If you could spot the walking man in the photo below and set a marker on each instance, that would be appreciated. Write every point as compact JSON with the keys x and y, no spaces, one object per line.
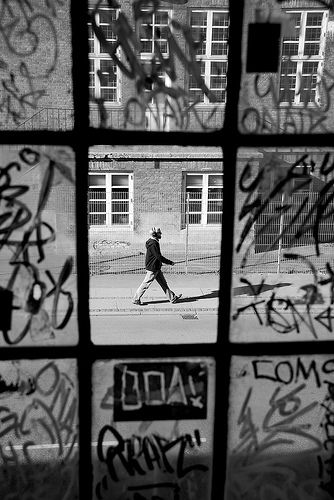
{"x":153,"y":262}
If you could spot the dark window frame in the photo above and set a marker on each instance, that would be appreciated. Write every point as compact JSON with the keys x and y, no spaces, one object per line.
{"x":230,"y":139}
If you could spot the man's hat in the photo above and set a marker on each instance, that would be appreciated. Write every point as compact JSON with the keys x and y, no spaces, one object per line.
{"x":155,"y":230}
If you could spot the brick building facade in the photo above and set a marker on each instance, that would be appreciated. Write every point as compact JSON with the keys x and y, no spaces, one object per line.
{"x":163,"y":66}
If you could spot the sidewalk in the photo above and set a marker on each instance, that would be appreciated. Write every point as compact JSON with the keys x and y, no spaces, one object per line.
{"x":112,"y":295}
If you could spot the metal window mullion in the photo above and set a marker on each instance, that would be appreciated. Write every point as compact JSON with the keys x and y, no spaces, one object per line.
{"x":205,"y":199}
{"x":131,"y":202}
{"x":108,"y":200}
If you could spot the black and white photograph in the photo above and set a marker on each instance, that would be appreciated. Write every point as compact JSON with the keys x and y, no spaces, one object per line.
{"x":166,"y":249}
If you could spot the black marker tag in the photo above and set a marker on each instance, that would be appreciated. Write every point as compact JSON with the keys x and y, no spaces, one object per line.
{"x":263,"y":47}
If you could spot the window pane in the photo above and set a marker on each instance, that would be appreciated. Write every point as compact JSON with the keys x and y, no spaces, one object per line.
{"x":215,"y":180}
{"x":151,"y":90}
{"x":38,"y":250}
{"x":194,"y":180}
{"x":39,"y":448}
{"x":220,"y":19}
{"x":164,"y":407}
{"x":311,"y":49}
{"x":97,"y":180}
{"x":314,"y":19}
{"x":97,"y":219}
{"x":215,"y":218}
{"x":36,"y":67}
{"x":159,"y":191}
{"x":279,"y":431}
{"x":120,"y":180}
{"x":283,"y":246}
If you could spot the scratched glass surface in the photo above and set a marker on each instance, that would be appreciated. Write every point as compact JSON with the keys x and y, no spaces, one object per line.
{"x":39,"y":426}
{"x":280,"y":437}
{"x":37,"y":246}
{"x":158,"y":65}
{"x":288,"y":90}
{"x":153,"y":428}
{"x":283,"y":270}
{"x":131,"y":190}
{"x":35,"y":65}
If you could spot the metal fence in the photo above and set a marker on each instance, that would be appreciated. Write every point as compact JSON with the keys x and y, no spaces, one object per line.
{"x":187,"y":237}
{"x":289,"y":224}
{"x":63,"y":119}
{"x":49,"y":119}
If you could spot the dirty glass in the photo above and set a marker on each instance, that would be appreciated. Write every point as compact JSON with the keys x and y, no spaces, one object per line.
{"x":39,"y":428}
{"x":280,"y":438}
{"x":153,"y":428}
{"x":37,"y":246}
{"x":157,"y":66}
{"x":130,"y":190}
{"x":283,"y":245}
{"x":288,"y":90}
{"x":35,"y":65}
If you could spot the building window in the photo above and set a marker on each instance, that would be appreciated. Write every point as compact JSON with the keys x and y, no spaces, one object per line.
{"x":153,"y":30}
{"x":153,"y":33}
{"x":104,"y":78}
{"x":110,"y":199}
{"x":204,"y":198}
{"x":210,"y":36}
{"x":303,"y":58}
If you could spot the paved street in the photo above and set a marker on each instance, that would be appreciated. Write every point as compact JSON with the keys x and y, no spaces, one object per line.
{"x":114,"y":319}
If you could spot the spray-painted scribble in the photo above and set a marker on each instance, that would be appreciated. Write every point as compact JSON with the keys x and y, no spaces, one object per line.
{"x":277,"y":119}
{"x":277,"y":441}
{"x":286,"y":213}
{"x":168,"y":104}
{"x":294,"y":98}
{"x":38,"y":430}
{"x":37,"y":300}
{"x":138,"y":458}
{"x":29,"y":56}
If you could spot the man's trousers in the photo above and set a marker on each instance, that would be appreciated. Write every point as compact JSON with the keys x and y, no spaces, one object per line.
{"x":147,"y":282}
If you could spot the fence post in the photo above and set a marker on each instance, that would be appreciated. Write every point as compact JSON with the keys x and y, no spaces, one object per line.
{"x":281,"y":229}
{"x":187,"y":232}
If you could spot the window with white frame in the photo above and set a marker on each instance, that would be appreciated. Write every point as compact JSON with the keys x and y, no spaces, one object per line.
{"x":204,"y":198}
{"x":110,"y":199}
{"x":152,"y":31}
{"x":303,"y":53}
{"x":210,"y":36}
{"x":103,"y":73}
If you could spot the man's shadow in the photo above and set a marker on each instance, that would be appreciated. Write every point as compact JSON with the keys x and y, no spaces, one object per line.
{"x":185,"y":300}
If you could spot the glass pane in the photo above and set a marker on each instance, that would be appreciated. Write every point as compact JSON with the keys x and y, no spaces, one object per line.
{"x":120,"y":180}
{"x":38,"y":246}
{"x":36,"y":66}
{"x":194,"y":180}
{"x":284,"y":241}
{"x":276,"y":94}
{"x":152,"y":428}
{"x":280,"y":428}
{"x":153,"y":193}
{"x":215,"y":180}
{"x":162,"y":78}
{"x":39,"y":429}
{"x":96,"y":180}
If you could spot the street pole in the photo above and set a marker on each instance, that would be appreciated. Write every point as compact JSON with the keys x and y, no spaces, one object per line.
{"x":281,"y":229}
{"x":187,"y":232}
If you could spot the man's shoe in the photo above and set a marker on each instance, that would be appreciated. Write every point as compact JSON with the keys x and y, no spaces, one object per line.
{"x":137,"y":302}
{"x":176,"y":298}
